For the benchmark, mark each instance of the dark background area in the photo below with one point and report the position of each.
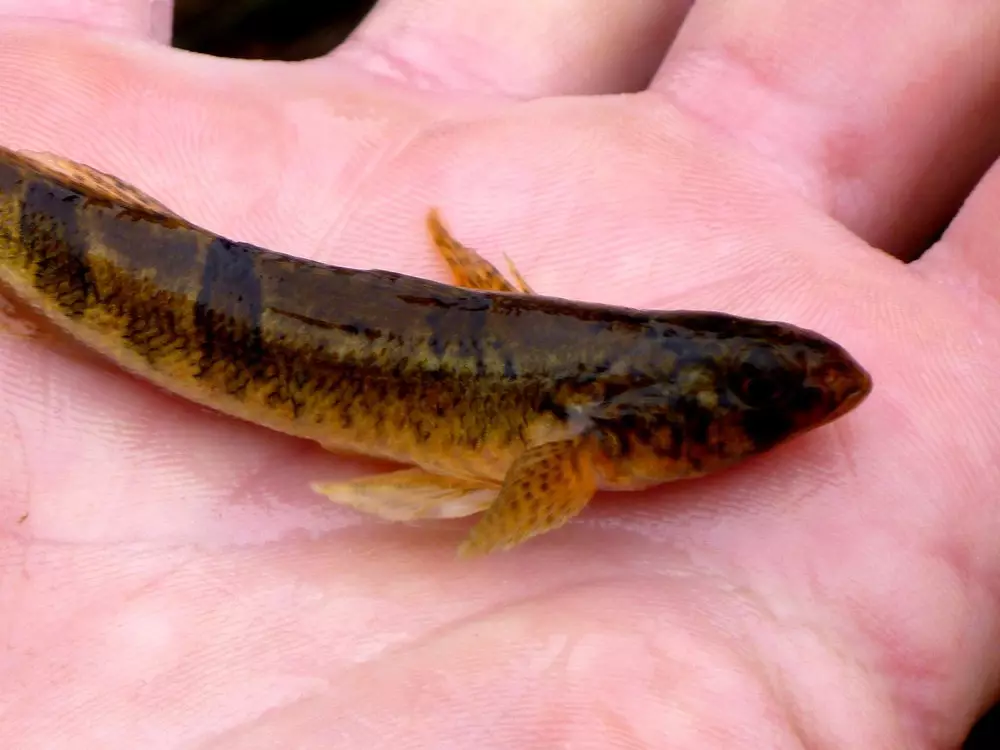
(265, 29)
(301, 29)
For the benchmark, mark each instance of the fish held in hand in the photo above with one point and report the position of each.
(499, 400)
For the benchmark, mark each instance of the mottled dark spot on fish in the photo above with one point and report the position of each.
(697, 423)
(628, 422)
(229, 306)
(11, 178)
(464, 341)
(58, 246)
(145, 249)
(437, 345)
(766, 428)
(509, 366)
(230, 282)
(469, 302)
(548, 405)
(623, 445)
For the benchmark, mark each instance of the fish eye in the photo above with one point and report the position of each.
(760, 381)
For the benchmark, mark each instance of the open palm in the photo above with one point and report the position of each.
(168, 579)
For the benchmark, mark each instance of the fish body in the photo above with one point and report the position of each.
(499, 399)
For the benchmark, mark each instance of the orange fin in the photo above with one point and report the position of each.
(411, 494)
(521, 283)
(544, 488)
(96, 182)
(469, 268)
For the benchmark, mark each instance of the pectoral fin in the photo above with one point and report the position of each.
(411, 494)
(469, 268)
(543, 489)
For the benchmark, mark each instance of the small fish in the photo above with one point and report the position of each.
(498, 400)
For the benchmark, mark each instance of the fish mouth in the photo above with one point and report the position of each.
(856, 389)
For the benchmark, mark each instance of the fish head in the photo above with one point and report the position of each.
(706, 391)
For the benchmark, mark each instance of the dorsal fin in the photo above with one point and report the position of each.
(96, 183)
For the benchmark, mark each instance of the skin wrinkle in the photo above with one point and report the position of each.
(154, 584)
(967, 245)
(844, 455)
(795, 706)
(752, 661)
(677, 89)
(376, 56)
(365, 181)
(918, 699)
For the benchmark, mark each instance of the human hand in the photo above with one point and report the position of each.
(176, 583)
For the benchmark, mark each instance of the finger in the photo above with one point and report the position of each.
(138, 19)
(525, 49)
(879, 112)
(968, 254)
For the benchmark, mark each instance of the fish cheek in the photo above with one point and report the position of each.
(765, 428)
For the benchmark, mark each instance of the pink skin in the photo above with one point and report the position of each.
(167, 579)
